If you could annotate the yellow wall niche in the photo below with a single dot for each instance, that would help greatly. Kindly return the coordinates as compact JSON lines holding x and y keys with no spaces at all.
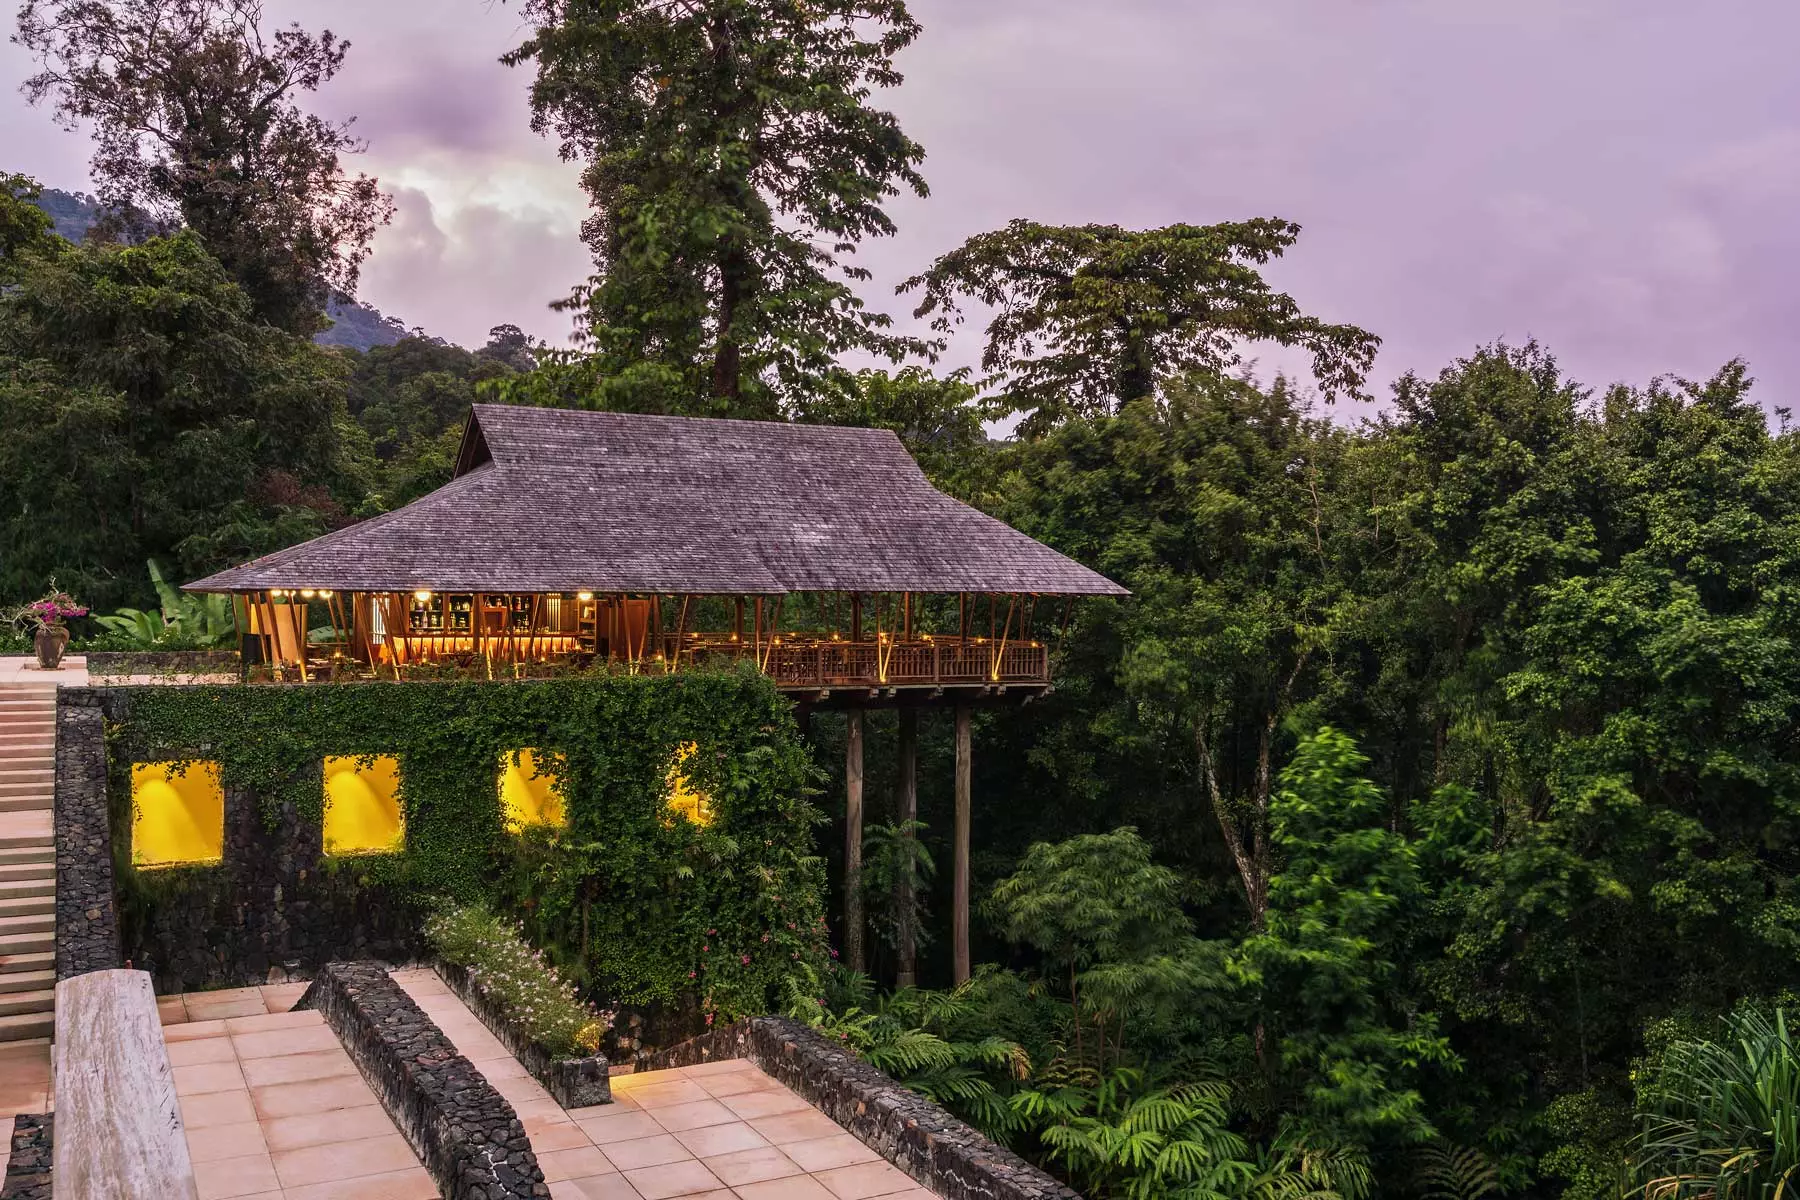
{"x":177,"y":813}
{"x":696,"y":806}
{"x":362,"y":805}
{"x":530,"y":791}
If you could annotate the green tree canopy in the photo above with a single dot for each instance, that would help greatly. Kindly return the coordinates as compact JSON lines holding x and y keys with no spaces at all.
{"x":1087,"y":318}
{"x":733,"y":160}
{"x":192,"y":104}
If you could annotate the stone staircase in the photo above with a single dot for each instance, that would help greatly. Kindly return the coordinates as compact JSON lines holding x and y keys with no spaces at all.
{"x":27,"y":861}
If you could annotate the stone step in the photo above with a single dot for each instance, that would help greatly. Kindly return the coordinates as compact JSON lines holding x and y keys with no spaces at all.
{"x":28,"y":941}
{"x":42,"y":1000}
{"x":27,"y":755}
{"x":27,"y":776}
{"x":41,"y":865}
{"x":39,"y":803}
{"x":28,"y":981}
{"x":19,"y":907}
{"x":25,"y":963}
{"x":32,"y":885}
{"x":28,"y":841}
{"x":45,"y":788}
{"x":27,"y":741}
{"x":25,"y":1026}
{"x":20,"y":921}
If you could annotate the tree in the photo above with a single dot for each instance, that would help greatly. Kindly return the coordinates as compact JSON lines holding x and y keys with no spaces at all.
{"x":733,"y":159}
{"x":1332,"y":962}
{"x":1218,"y":509}
{"x":143,"y":411}
{"x":1091,"y":317}
{"x":24,"y":227}
{"x":193,"y":110}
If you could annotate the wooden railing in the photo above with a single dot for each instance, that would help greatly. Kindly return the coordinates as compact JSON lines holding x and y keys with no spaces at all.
{"x":793,"y":662}
{"x":829,"y":664}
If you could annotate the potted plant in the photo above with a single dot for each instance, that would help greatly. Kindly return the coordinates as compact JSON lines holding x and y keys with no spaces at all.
{"x":46,"y":620}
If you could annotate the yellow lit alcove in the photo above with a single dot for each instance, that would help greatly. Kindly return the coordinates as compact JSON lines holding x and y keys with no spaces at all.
{"x":362,"y":805}
{"x":696,"y":806}
{"x":177,"y":814}
{"x":530,"y":793}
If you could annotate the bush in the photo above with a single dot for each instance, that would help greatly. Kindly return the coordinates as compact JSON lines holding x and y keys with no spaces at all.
{"x":510,"y":972}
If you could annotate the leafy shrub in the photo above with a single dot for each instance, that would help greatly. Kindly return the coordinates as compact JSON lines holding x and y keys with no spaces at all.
{"x":184,"y":622}
{"x":1721,"y":1118}
{"x":510,"y":972}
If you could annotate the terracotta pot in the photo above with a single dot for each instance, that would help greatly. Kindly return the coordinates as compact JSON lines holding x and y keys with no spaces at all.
{"x":50,"y":646}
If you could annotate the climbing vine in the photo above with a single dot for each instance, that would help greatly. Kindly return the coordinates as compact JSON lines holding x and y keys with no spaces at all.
{"x":636,"y":902}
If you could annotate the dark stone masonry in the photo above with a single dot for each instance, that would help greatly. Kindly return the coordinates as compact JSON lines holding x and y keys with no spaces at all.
{"x":28,"y":1170}
{"x":941,"y":1152}
{"x":574,"y":1082}
{"x":465,"y":1132}
{"x":271,"y":910}
{"x":87,"y":914}
{"x":162,"y":662}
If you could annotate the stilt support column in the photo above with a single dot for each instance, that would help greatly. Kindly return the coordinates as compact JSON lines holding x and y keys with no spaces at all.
{"x":959,"y":917}
{"x":905,"y":974}
{"x":853,"y":839}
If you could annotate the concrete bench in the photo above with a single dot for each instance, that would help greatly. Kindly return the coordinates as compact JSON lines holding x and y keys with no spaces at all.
{"x":118,"y":1126}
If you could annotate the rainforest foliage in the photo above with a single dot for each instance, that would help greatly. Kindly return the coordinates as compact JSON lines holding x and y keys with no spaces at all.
{"x":1426,"y":822}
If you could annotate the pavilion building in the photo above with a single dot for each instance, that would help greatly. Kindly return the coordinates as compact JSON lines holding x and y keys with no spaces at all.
{"x":820,"y":554}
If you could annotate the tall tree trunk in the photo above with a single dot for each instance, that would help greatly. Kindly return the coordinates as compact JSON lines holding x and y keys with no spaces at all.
{"x":728,"y":356}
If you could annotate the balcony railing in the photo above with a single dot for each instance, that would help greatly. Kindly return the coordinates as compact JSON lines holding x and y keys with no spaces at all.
{"x":793,"y":662}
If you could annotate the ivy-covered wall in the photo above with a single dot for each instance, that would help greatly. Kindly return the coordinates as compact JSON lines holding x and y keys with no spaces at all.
{"x":645,"y":907}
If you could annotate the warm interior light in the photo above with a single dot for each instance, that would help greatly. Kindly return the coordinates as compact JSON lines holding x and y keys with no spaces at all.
{"x":276,"y":593}
{"x":307,"y":593}
{"x":177,"y":813}
{"x":584,"y":595}
{"x":421,"y":596}
{"x":362,"y":805}
{"x":694,"y":805}
{"x":325,"y":593}
{"x":531,"y":791}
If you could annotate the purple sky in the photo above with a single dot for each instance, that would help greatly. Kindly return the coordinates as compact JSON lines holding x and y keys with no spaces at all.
{"x":1615,"y":177}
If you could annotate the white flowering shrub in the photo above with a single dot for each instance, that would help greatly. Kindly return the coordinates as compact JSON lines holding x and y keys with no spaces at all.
{"x":510,"y":972}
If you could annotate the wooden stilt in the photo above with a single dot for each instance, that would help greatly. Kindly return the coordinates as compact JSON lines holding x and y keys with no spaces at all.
{"x":853,"y":834}
{"x":959,"y":919}
{"x":906,"y":975}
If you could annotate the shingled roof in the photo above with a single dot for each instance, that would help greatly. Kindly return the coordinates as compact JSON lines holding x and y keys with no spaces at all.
{"x":554,"y":500}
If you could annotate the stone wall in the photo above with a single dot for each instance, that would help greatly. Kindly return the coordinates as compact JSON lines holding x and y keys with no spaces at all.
{"x":172,"y":663}
{"x":942,"y":1153}
{"x":574,"y":1082}
{"x":466,"y":1134}
{"x":272,"y":910}
{"x":87,"y":915}
{"x":28,"y":1168}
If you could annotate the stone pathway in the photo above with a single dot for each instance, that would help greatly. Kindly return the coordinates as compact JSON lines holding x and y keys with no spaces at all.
{"x":723,"y":1131}
{"x":273,"y":1106}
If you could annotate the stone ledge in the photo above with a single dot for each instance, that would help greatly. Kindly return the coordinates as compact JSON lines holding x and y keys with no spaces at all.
{"x":87,"y":912}
{"x":28,"y":1170}
{"x":574,"y":1082}
{"x":944,"y":1154}
{"x":162,"y":662}
{"x":469,"y":1138}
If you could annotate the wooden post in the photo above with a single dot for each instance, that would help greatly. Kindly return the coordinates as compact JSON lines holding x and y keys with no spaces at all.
{"x":906,"y":974}
{"x":853,"y":834}
{"x":959,"y":919}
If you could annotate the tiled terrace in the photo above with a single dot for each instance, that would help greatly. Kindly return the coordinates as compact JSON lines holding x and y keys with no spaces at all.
{"x":723,"y":1131}
{"x":274,"y":1108}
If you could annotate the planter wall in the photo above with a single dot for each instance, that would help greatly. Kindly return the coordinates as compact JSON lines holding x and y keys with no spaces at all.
{"x":575,"y":1082}
{"x":951,"y":1158}
{"x":469,"y":1138}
